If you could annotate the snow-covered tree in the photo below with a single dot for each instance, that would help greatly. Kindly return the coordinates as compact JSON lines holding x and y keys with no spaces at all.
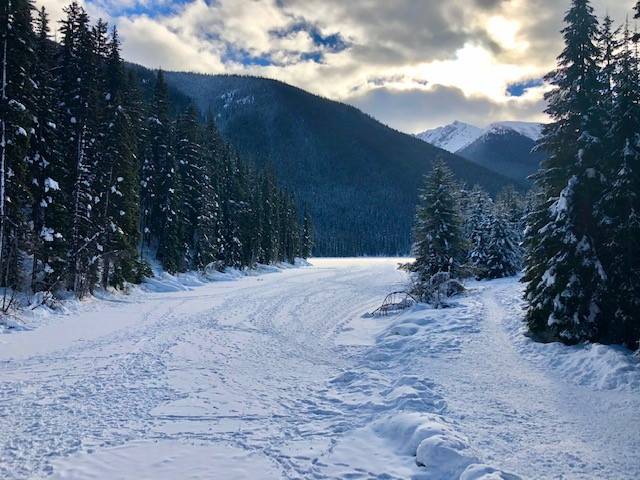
{"x":477,"y":228}
{"x":47,"y":169}
{"x":307,"y":236}
{"x":503,"y":256}
{"x":438,"y":245}
{"x":619,"y":208}
{"x":118,"y":185}
{"x":16,"y":126}
{"x":563,"y":267}
{"x":208,"y":238}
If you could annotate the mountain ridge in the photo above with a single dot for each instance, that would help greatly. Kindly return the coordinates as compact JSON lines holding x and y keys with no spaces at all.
{"x":507,"y":147}
{"x":351,"y":172}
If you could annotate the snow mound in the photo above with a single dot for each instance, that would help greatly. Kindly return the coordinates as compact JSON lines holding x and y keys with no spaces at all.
{"x":600,"y":367}
{"x":163,"y":282}
{"x":436,"y":446}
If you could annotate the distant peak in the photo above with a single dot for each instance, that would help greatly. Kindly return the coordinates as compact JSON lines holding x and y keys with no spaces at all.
{"x":458,"y":135}
{"x":451,"y":137}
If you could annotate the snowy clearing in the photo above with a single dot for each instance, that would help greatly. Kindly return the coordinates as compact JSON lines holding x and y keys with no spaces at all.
{"x":280,"y":376}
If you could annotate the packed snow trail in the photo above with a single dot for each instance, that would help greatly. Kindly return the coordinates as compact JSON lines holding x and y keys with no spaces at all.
{"x":280,"y":376}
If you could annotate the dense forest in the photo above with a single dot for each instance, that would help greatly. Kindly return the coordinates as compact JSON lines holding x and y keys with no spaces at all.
{"x":101,"y":171}
{"x":358,"y":177}
{"x":582,"y":236}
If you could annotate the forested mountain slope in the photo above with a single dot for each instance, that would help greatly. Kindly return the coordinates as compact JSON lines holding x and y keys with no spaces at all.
{"x":358,"y":178}
{"x":505,"y":151}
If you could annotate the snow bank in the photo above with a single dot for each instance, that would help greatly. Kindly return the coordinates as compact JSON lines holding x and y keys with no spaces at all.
{"x":33,"y":310}
{"x":600,"y":367}
{"x":409,"y":435}
{"x":163,"y":281}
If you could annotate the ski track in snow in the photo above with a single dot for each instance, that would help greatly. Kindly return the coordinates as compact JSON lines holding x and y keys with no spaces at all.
{"x":279,"y":376}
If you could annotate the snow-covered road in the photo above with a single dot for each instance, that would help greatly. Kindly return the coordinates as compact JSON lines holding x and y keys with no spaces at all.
{"x":280,"y":376}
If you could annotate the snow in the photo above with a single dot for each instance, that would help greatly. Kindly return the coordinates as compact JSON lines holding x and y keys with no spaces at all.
{"x":458,"y":135}
{"x":280,"y":374}
{"x":452,"y":137}
{"x":528,"y":129}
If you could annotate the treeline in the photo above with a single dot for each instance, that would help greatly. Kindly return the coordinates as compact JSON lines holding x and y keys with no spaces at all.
{"x":583,"y":240}
{"x":95,"y":176}
{"x":464,"y":232}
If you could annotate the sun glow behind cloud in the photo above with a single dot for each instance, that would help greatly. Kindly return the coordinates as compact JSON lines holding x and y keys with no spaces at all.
{"x":489,"y":55}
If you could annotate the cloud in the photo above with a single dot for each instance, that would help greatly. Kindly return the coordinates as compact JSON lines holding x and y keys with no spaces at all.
{"x":380,"y":54}
{"x":417,"y":110}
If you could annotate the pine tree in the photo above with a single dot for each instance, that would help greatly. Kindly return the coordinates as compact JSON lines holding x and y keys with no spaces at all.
{"x":514,"y":205}
{"x":563,"y":269}
{"x":47,"y":168}
{"x":608,"y":45}
{"x":208,"y":240}
{"x":477,"y":228}
{"x":16,"y":95}
{"x":118,"y":176}
{"x":503,"y":256}
{"x":619,"y":208}
{"x":307,"y":236}
{"x":438,"y":244}
{"x":269,"y":221}
{"x":79,"y":130}
{"x":189,"y":160}
{"x":156,"y":162}
{"x":170,"y":232}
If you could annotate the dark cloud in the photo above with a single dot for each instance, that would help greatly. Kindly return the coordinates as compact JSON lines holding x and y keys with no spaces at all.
{"x":404,"y":31}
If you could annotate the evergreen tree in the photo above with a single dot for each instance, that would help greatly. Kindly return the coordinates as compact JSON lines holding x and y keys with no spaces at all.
{"x":477,"y":229}
{"x":190,"y":171}
{"x":90,"y":170}
{"x":79,"y":126}
{"x":306,"y":248}
{"x":563,"y":269}
{"x":503,"y":256}
{"x":269,"y":221}
{"x":619,"y":207}
{"x":208,"y":230}
{"x":16,"y":84}
{"x":156,"y":162}
{"x":438,"y":244}
{"x":118,"y":176}
{"x":47,"y":169}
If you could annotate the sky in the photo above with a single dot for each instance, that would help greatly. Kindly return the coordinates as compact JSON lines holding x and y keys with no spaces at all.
{"x":412,"y":64}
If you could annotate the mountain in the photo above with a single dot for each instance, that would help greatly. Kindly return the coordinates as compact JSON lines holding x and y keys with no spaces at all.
{"x":451,"y":137}
{"x":358,"y":178}
{"x":503,"y":147}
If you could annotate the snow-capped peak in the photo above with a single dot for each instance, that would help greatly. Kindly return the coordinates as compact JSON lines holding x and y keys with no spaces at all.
{"x":451,"y":137}
{"x":528,"y":129}
{"x":458,"y":135}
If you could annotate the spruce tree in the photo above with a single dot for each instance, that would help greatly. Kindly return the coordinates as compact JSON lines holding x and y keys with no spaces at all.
{"x":438,"y":245}
{"x":477,"y":229}
{"x":619,"y":208}
{"x":16,"y":91}
{"x":307,"y":236}
{"x":118,"y":176}
{"x":79,"y":132}
{"x":208,"y":241}
{"x":156,"y":162}
{"x":190,"y":171}
{"x":563,"y":268}
{"x":503,"y":256}
{"x":47,"y":169}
